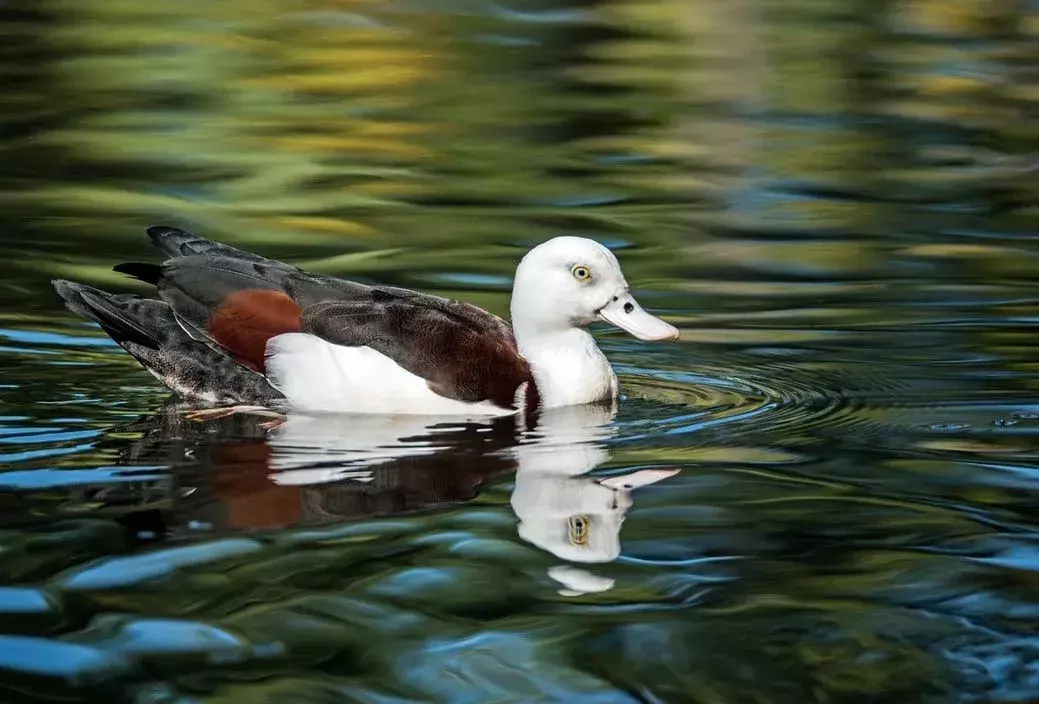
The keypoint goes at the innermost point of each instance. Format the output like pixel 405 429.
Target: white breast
pixel 569 369
pixel 317 375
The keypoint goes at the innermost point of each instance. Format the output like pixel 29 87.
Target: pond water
pixel 826 491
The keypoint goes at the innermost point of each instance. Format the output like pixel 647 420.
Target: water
pixel 825 492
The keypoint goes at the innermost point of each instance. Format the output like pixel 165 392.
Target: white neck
pixel 568 367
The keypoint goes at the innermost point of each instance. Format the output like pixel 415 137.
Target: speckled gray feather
pixel 148 330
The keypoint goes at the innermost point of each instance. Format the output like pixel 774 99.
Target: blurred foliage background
pixel 366 136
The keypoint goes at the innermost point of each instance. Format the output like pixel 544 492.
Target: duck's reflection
pixel 246 473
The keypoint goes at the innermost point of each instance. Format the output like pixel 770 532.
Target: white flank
pixel 316 375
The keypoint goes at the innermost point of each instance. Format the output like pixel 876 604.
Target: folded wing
pixel 238 302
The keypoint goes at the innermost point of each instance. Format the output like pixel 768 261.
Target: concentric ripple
pixel 750 394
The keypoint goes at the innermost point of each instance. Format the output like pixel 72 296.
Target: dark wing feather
pixel 240 302
pixel 461 351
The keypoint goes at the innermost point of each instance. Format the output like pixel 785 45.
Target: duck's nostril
pixel 614 299
pixel 628 307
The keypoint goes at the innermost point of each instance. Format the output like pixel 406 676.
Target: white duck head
pixel 561 287
pixel 570 282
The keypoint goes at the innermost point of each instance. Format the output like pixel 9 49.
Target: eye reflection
pixel 580 529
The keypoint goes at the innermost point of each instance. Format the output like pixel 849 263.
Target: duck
pixel 232 329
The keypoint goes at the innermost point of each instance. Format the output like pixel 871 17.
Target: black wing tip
pixel 71 295
pixel 69 291
pixel 73 291
pixel 104 309
pixel 160 231
pixel 168 238
pixel 148 273
pixel 62 285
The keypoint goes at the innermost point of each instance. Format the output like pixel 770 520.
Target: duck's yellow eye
pixel 581 273
pixel 579 529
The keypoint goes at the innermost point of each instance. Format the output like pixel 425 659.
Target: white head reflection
pixel 560 509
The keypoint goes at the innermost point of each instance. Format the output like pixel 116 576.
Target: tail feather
pixel 150 331
pixel 124 317
pixel 70 294
pixel 148 273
